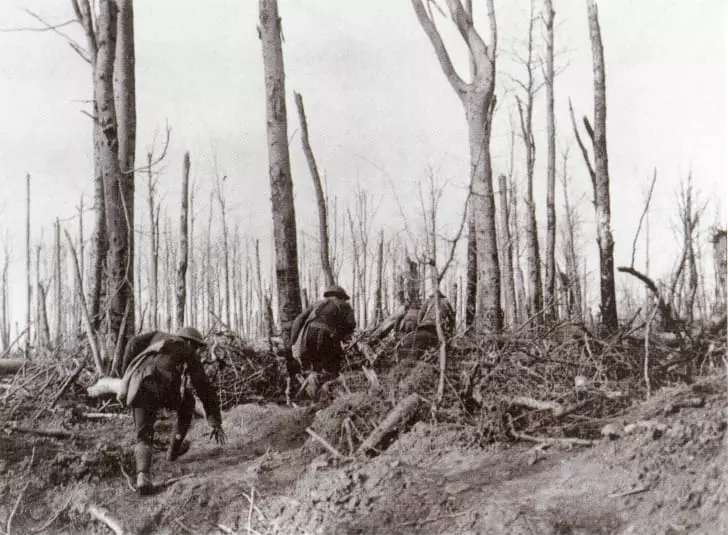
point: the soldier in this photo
(317, 334)
(428, 315)
(157, 368)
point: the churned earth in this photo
(663, 470)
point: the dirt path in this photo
(669, 477)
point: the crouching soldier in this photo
(158, 368)
(428, 315)
(317, 335)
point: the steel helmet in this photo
(190, 333)
(336, 291)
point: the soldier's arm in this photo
(349, 321)
(205, 391)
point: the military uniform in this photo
(157, 367)
(428, 315)
(319, 330)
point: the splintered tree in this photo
(599, 173)
(320, 199)
(279, 168)
(478, 101)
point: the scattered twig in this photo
(180, 524)
(548, 440)
(172, 480)
(250, 509)
(67, 383)
(54, 433)
(129, 482)
(638, 490)
(104, 415)
(325, 444)
(9, 525)
(226, 529)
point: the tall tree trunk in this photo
(153, 247)
(100, 245)
(550, 253)
(183, 243)
(601, 170)
(320, 199)
(507, 252)
(572, 261)
(478, 100)
(125, 102)
(471, 286)
(29, 287)
(533, 255)
(57, 284)
(119, 285)
(284, 214)
(378, 314)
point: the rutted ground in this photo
(666, 477)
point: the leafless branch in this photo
(46, 28)
(642, 217)
(584, 152)
(55, 28)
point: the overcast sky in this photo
(380, 110)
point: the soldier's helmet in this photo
(336, 291)
(190, 333)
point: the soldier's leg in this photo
(144, 419)
(178, 445)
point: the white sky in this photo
(376, 100)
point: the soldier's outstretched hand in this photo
(218, 435)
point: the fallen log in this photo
(11, 366)
(399, 416)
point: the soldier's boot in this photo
(143, 457)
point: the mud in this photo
(668, 476)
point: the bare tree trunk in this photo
(125, 101)
(183, 243)
(320, 199)
(550, 254)
(507, 253)
(516, 233)
(478, 101)
(115, 188)
(153, 247)
(57, 284)
(572, 261)
(378, 314)
(284, 215)
(601, 171)
(721, 270)
(225, 243)
(525, 112)
(4, 316)
(29, 287)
